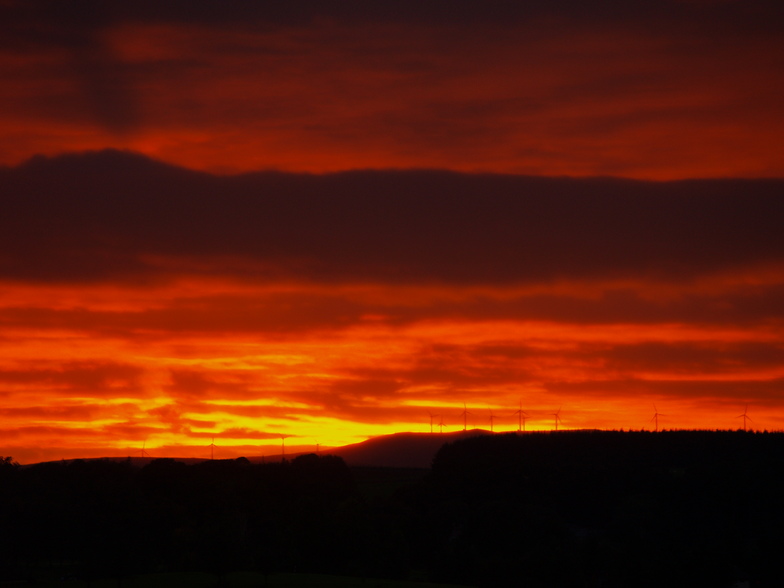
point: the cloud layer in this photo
(373, 213)
(116, 215)
(664, 89)
(148, 304)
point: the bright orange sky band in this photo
(147, 307)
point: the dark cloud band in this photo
(111, 215)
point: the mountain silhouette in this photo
(400, 450)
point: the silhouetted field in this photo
(680, 508)
(231, 580)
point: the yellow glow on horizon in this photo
(261, 402)
(94, 386)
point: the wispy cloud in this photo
(650, 90)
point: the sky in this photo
(231, 226)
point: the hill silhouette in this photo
(573, 508)
(400, 450)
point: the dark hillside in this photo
(611, 509)
(401, 450)
(681, 508)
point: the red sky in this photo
(167, 304)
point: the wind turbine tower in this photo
(557, 417)
(212, 449)
(143, 452)
(283, 447)
(432, 416)
(745, 416)
(465, 414)
(521, 417)
(655, 418)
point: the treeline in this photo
(565, 509)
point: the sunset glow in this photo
(192, 247)
(94, 370)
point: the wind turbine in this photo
(521, 416)
(655, 418)
(492, 418)
(143, 451)
(441, 424)
(283, 447)
(745, 416)
(557, 417)
(212, 449)
(465, 414)
(432, 416)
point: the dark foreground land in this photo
(680, 508)
(231, 579)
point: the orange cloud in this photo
(554, 89)
(150, 306)
(112, 377)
